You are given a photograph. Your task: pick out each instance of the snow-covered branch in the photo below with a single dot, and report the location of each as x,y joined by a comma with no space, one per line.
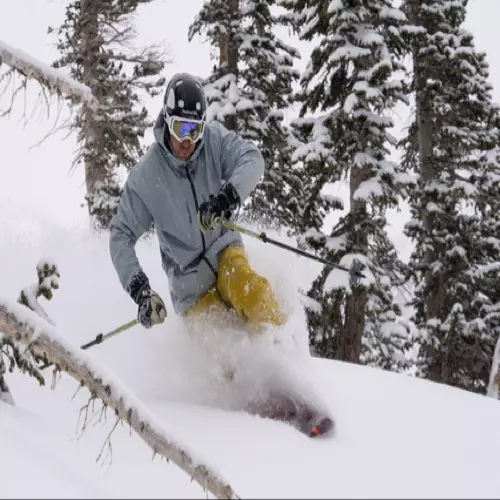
493,390
5,394
52,79
48,280
19,323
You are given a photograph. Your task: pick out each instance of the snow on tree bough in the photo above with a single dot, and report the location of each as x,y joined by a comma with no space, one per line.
52,79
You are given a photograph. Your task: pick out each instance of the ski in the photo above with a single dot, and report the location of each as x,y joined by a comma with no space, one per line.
311,424
321,427
292,411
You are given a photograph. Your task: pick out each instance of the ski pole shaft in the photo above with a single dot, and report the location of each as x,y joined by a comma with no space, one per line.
264,238
101,337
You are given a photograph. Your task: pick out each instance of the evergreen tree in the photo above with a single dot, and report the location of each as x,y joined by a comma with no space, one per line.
352,82
221,22
94,42
250,89
452,145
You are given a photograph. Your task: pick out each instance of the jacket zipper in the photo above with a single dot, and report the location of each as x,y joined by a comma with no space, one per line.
193,190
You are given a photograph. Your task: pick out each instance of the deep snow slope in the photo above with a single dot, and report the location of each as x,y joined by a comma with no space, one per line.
36,460
395,436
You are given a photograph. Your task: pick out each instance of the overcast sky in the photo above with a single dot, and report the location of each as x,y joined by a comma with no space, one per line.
39,178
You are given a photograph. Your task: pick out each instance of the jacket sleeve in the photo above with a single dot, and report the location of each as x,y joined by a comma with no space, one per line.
131,221
242,162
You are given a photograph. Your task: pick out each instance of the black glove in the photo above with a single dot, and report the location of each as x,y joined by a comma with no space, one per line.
151,310
218,208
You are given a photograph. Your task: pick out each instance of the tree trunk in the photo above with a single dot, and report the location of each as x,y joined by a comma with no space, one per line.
350,337
435,285
232,47
95,170
228,57
18,323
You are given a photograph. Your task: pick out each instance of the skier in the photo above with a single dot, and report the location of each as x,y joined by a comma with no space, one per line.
195,175
192,177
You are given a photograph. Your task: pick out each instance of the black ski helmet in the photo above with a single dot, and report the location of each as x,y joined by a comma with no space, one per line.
184,98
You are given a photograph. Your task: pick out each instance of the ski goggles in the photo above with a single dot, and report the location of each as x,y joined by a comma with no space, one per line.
184,129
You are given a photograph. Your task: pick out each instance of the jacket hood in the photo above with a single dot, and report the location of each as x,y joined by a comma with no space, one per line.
179,166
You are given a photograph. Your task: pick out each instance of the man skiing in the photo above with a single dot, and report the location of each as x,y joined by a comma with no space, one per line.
192,177
195,175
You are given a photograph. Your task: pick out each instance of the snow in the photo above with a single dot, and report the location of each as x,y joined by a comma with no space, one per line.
34,458
118,390
348,52
335,6
392,14
450,437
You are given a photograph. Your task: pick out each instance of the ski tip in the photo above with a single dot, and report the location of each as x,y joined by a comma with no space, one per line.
324,426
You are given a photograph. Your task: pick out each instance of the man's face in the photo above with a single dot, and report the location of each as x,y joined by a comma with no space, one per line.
183,150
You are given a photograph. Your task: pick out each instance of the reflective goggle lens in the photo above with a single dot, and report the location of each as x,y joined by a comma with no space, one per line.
187,130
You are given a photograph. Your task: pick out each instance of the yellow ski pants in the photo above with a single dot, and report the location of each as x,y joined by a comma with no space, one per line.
241,288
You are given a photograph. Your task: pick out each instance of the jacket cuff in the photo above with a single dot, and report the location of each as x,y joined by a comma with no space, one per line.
138,283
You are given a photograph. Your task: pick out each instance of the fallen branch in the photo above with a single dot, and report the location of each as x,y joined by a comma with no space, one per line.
24,326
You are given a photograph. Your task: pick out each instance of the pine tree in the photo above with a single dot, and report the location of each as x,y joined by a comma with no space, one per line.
455,207
94,42
269,74
250,89
351,81
221,22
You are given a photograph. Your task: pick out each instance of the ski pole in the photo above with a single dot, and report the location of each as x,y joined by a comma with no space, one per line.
354,271
101,337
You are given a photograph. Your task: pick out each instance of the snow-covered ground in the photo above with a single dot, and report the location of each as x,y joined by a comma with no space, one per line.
395,437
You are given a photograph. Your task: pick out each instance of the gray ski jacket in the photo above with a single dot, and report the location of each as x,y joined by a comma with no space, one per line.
166,192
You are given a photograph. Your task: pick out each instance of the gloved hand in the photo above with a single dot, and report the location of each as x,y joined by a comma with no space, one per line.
218,208
152,310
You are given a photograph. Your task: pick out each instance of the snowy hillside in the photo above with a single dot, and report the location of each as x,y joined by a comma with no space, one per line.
395,436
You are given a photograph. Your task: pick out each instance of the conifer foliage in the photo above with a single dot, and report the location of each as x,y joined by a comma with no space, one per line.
349,88
95,43
251,87
453,146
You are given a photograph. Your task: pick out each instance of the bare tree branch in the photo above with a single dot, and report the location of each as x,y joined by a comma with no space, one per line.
24,326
